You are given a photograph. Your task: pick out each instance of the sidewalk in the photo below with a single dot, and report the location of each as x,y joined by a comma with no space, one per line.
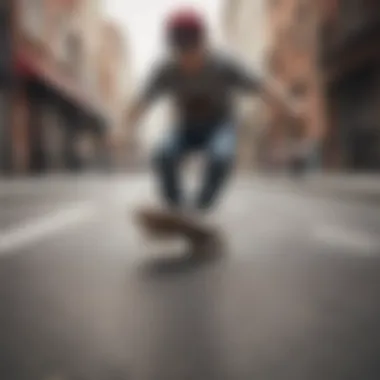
360,187
352,186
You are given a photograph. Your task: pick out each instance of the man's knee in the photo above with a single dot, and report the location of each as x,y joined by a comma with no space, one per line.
222,157
164,156
223,148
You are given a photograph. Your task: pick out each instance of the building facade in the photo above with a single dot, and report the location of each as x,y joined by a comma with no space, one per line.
244,27
114,80
52,94
325,53
6,43
292,61
349,57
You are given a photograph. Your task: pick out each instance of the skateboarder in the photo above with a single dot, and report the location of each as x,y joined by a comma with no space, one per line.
201,83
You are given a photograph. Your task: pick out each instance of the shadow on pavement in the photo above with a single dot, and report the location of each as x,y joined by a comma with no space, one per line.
186,262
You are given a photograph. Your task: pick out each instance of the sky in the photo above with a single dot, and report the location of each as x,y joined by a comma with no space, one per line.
141,21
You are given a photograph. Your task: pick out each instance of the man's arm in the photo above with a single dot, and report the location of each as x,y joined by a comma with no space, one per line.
269,89
131,117
157,86
274,94
135,112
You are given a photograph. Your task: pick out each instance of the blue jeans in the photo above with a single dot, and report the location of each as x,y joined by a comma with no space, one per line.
218,145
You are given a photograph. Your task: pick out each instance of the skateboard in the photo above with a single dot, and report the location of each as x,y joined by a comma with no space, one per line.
165,225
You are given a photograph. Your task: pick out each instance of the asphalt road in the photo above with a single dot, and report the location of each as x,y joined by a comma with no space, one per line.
82,295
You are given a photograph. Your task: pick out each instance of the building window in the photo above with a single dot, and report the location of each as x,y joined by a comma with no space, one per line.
354,15
303,12
274,63
299,89
74,54
32,16
325,33
5,41
62,26
274,3
68,46
302,29
302,38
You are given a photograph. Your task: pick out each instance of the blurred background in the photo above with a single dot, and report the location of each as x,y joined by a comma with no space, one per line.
70,67
84,296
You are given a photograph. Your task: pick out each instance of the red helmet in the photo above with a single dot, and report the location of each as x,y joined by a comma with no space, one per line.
185,28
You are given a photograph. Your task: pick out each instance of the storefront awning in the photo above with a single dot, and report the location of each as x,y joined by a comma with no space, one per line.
28,63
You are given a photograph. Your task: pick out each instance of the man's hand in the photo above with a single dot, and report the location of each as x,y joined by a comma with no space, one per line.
115,140
120,139
296,110
275,94
134,114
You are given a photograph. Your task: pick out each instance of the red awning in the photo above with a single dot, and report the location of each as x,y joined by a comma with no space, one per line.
28,63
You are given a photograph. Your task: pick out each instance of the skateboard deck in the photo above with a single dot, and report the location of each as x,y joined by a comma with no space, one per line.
202,240
166,224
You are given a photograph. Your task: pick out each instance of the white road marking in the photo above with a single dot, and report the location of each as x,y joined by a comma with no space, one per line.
37,229
339,237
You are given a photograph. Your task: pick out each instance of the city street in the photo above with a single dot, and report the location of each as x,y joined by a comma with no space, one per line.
294,293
